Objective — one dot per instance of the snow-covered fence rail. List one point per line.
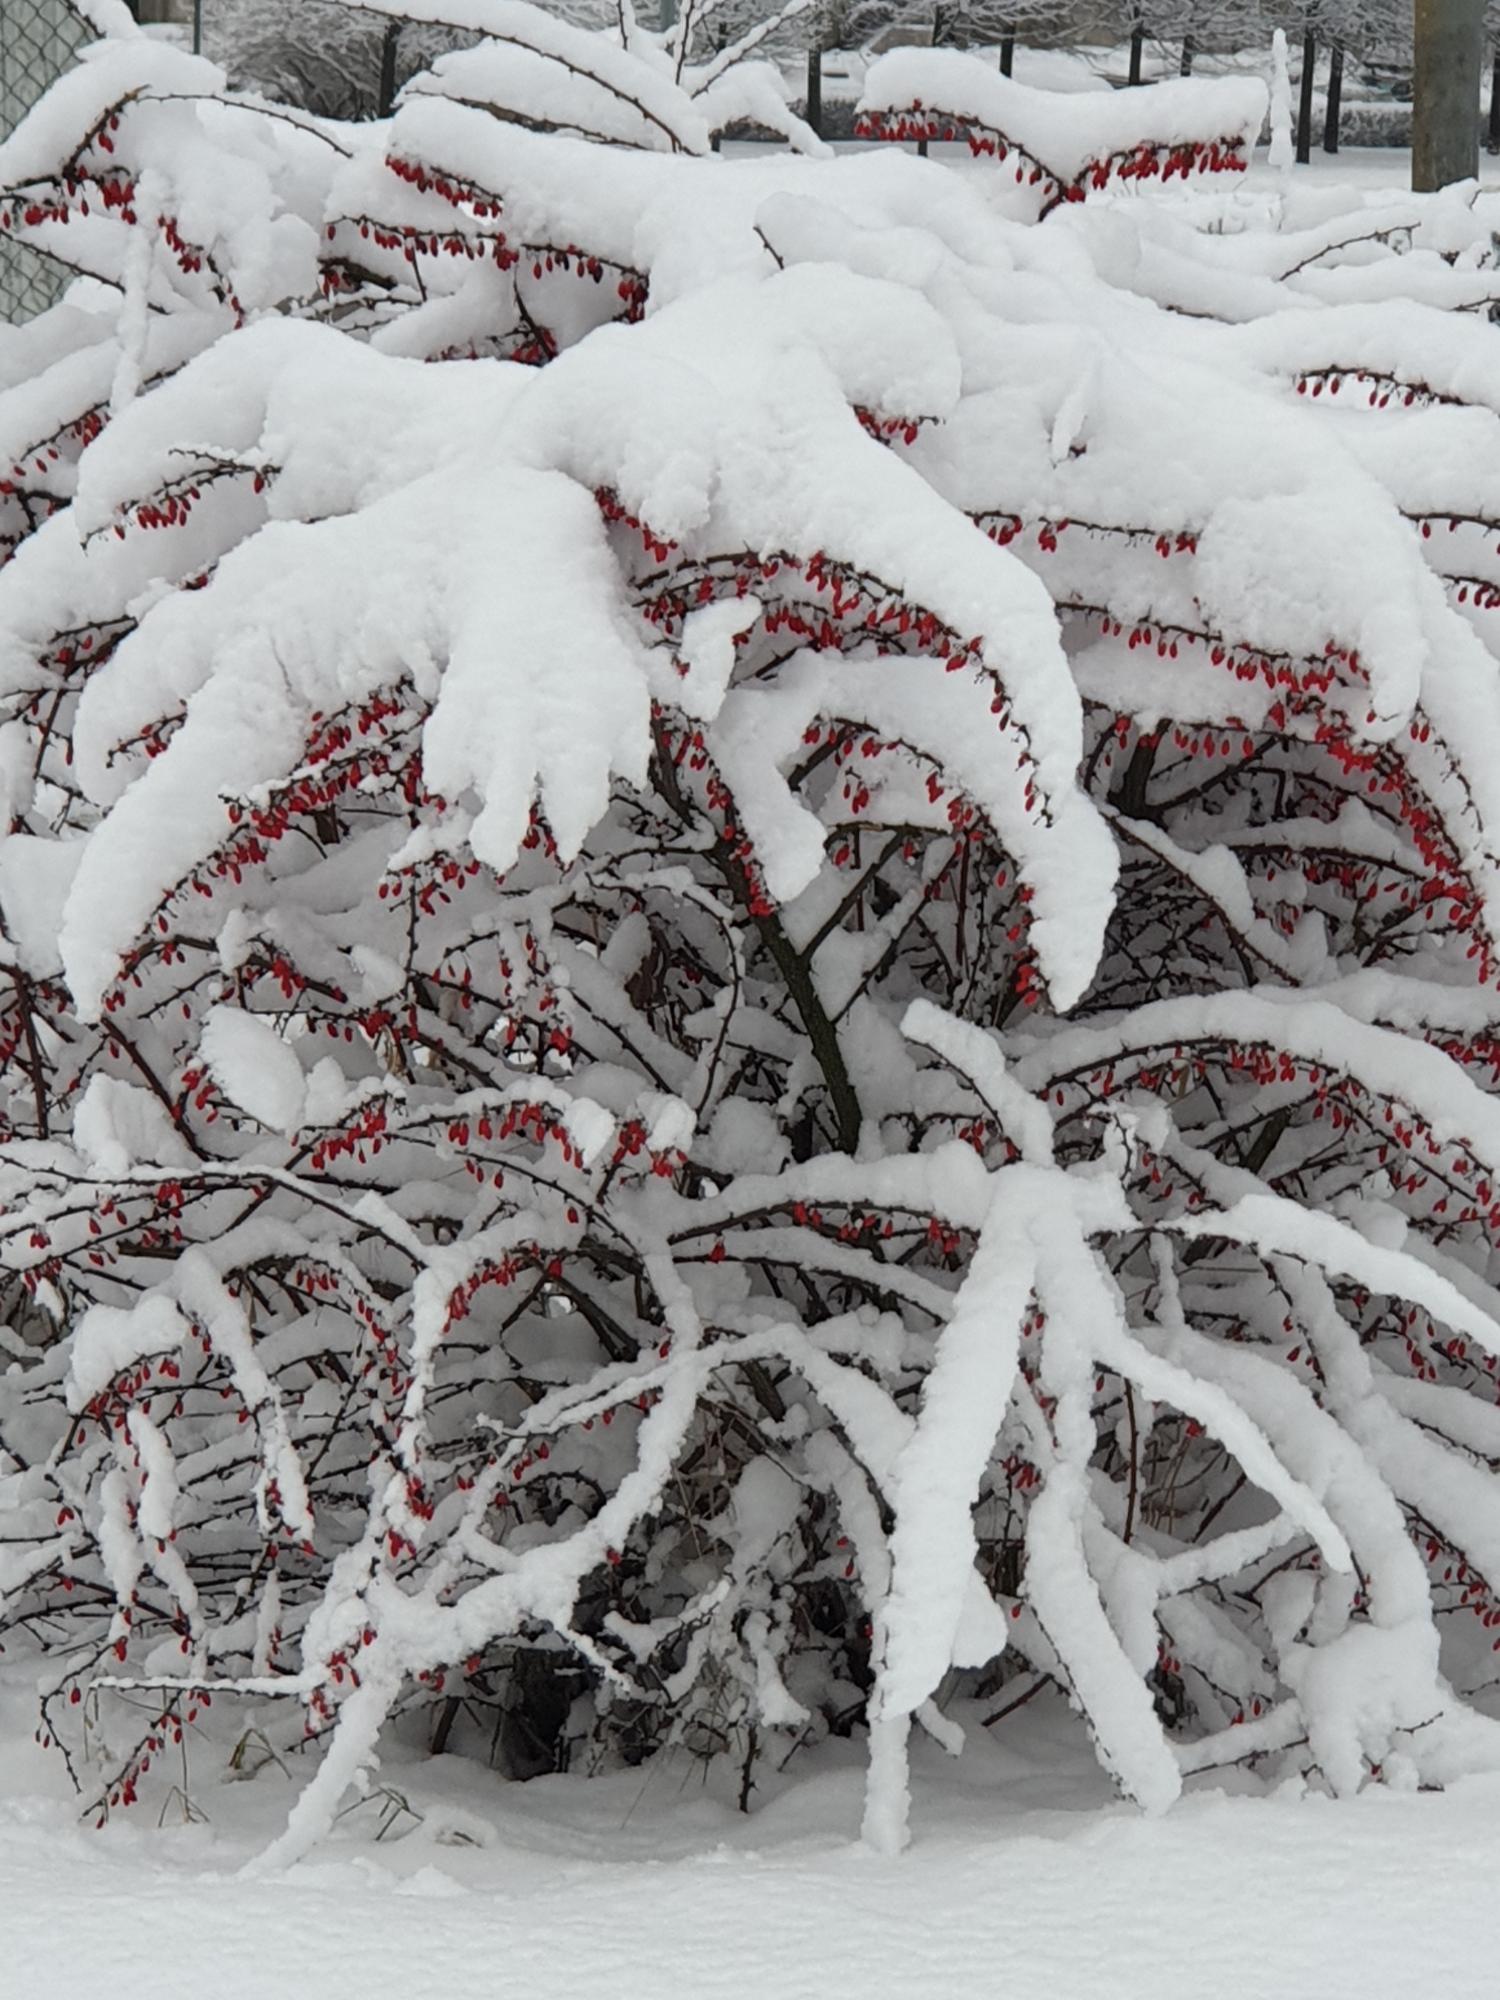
(38, 39)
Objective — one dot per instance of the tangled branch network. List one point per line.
(750, 911)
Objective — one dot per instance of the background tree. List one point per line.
(1448, 45)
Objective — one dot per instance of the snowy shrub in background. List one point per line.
(750, 925)
(1063, 148)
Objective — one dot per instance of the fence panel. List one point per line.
(38, 39)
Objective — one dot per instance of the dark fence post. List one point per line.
(814, 113)
(1305, 99)
(388, 69)
(1335, 98)
(1008, 52)
(1137, 43)
(1189, 50)
(1494, 142)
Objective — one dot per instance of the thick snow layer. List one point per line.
(572, 79)
(35, 876)
(110, 1339)
(705, 421)
(1446, 354)
(254, 1068)
(650, 1884)
(113, 70)
(425, 549)
(1066, 133)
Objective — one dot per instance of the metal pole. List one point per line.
(1449, 45)
(388, 69)
(1335, 98)
(1305, 98)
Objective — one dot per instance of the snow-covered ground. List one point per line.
(646, 1886)
(1362, 167)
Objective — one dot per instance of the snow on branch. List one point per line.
(1063, 147)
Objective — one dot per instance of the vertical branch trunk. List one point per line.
(1494, 134)
(1189, 50)
(794, 966)
(1335, 98)
(814, 111)
(1137, 44)
(1305, 98)
(36, 1068)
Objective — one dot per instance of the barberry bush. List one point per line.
(749, 914)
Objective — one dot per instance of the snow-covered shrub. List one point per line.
(1063, 148)
(737, 1031)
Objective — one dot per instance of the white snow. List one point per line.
(650, 1883)
(254, 1067)
(1066, 133)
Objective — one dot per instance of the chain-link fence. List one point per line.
(330, 58)
(38, 39)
